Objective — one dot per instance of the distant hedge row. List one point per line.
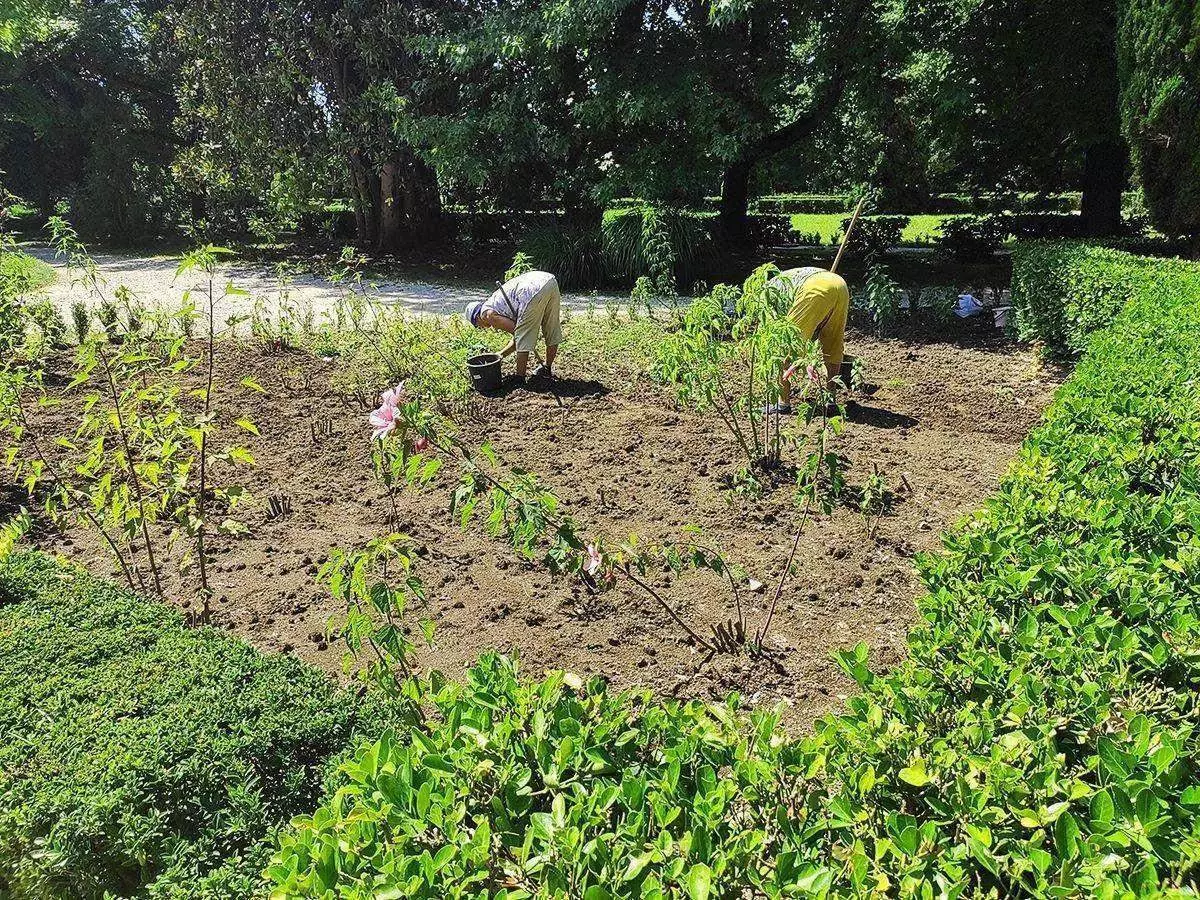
(142, 758)
(1040, 740)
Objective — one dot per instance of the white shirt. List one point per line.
(520, 292)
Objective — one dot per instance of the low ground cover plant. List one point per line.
(142, 758)
(1040, 740)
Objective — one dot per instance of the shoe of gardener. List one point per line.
(781, 409)
(542, 371)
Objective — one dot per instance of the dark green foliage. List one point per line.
(1160, 93)
(631, 242)
(575, 255)
(1040, 739)
(974, 237)
(876, 234)
(141, 758)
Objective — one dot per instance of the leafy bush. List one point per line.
(632, 242)
(575, 256)
(772, 230)
(1040, 739)
(140, 758)
(645, 240)
(974, 237)
(1065, 291)
(876, 234)
(1160, 99)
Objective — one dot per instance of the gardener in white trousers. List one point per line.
(525, 307)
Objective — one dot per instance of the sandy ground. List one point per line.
(154, 283)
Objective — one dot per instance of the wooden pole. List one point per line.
(849, 230)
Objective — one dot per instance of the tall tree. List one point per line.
(1160, 66)
(782, 69)
(86, 104)
(291, 88)
(1022, 94)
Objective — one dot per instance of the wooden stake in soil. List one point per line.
(849, 230)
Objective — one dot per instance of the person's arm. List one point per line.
(507, 351)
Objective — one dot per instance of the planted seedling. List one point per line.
(81, 320)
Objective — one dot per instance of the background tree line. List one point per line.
(150, 116)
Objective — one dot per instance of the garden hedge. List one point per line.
(1040, 739)
(1064, 291)
(142, 758)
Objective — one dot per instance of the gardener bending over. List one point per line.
(820, 304)
(525, 307)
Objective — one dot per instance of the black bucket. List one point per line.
(847, 371)
(485, 372)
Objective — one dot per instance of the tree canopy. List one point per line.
(157, 114)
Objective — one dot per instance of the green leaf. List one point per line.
(915, 774)
(699, 881)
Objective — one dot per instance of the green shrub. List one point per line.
(641, 240)
(632, 242)
(974, 237)
(1040, 740)
(141, 758)
(575, 256)
(1065, 291)
(875, 234)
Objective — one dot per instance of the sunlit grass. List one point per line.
(922, 229)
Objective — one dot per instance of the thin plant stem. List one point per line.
(201, 502)
(665, 605)
(74, 501)
(135, 481)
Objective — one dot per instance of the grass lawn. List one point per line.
(921, 229)
(26, 273)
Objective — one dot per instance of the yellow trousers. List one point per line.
(819, 309)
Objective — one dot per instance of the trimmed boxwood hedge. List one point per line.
(142, 758)
(1041, 739)
(1064, 291)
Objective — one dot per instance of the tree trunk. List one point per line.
(423, 203)
(391, 213)
(366, 199)
(1103, 182)
(1105, 156)
(399, 205)
(734, 216)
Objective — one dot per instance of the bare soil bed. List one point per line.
(942, 424)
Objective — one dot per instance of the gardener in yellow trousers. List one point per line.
(819, 307)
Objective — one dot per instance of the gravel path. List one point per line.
(152, 281)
